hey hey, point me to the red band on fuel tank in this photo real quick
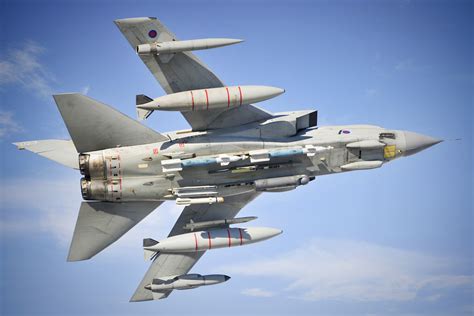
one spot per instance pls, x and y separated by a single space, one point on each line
228 236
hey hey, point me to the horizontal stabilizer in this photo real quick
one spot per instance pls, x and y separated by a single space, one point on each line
96 126
61 151
99 224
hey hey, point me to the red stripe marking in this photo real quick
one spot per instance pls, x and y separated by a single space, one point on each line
192 99
228 235
240 233
207 100
209 238
196 241
228 96
240 91
120 181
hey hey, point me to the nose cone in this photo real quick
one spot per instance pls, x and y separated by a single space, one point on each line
226 277
415 143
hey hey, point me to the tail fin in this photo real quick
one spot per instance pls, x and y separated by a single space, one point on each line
149 254
95 126
141 113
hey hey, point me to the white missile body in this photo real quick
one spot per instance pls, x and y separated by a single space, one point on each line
172 47
199 200
214 98
185 282
209 239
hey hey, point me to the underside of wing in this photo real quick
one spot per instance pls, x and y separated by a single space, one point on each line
99 224
165 265
183 71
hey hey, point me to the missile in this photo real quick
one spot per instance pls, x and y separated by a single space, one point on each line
362 165
263 155
203 200
174 165
185 282
209 239
206 99
222 222
280 184
172 47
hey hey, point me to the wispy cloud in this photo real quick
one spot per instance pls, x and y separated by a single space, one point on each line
328 269
85 90
257 292
8 125
22 65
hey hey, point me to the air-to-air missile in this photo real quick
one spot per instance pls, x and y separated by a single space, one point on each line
171 47
221 222
185 282
209 239
206 99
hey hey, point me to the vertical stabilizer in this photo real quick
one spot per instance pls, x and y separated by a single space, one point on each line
96 126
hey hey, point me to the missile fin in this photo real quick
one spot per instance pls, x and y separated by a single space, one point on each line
149 254
148 242
143 114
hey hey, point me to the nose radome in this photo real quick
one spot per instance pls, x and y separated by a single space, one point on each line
415 143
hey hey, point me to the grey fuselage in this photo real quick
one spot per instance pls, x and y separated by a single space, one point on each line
136 172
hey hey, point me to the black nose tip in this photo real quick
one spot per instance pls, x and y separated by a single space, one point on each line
226 277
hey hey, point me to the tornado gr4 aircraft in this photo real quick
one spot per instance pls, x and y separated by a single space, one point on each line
233 152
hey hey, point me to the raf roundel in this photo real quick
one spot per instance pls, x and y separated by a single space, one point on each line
152 34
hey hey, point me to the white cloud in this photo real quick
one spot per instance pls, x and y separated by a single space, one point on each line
8 125
328 269
85 90
257 292
21 66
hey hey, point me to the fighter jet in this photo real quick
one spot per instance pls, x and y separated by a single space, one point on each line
233 152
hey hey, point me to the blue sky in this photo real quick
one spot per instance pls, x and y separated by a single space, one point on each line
392 241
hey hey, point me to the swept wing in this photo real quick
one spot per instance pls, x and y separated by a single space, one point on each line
180 263
183 72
